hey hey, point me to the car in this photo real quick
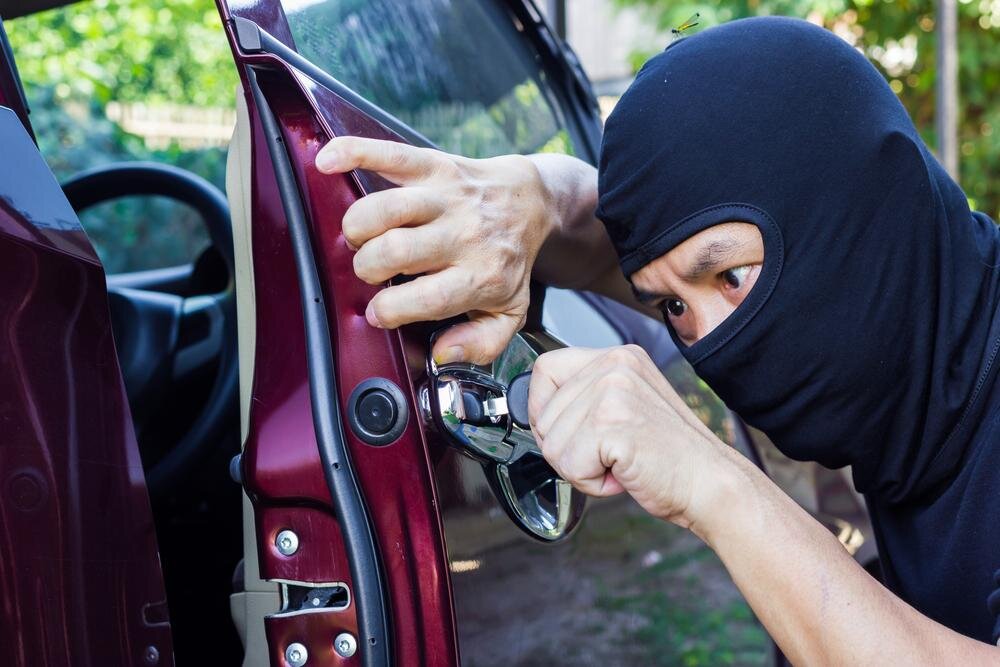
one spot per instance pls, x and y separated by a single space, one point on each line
227 445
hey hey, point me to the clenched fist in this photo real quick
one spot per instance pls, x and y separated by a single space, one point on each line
608 421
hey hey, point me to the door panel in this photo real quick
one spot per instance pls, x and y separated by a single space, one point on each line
80 576
283 469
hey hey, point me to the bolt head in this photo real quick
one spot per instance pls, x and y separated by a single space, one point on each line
296 655
345 645
287 542
151 655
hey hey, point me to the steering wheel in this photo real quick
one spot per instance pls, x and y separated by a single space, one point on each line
164 338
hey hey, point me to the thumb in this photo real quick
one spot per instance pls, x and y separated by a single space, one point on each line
478 341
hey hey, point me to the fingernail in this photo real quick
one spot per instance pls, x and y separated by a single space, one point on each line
327 160
371 317
450 354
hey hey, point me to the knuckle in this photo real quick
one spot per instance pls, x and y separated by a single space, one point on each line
352 224
440 165
362 267
495 285
432 298
490 348
396 155
637 352
616 380
620 356
394 250
383 309
351 147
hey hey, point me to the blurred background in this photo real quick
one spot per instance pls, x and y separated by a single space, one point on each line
97 96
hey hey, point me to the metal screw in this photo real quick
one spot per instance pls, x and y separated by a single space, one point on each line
151 655
287 542
296 655
345 644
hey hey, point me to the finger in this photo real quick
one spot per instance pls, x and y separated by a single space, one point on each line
431 297
374 214
399 162
574 449
403 251
552 370
478 341
583 382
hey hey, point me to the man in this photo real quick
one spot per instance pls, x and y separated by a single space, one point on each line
763 191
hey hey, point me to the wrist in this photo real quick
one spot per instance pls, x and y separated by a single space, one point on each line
723 496
551 186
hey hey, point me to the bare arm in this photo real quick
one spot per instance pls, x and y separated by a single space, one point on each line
608 422
472 231
820 606
577 252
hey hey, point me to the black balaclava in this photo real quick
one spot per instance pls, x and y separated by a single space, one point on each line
871 333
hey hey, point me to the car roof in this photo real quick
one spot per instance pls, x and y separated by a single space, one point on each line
11 9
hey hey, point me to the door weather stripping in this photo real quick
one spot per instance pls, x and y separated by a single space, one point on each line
355 525
254 39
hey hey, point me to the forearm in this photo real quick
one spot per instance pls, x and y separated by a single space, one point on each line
577 248
817 603
577 252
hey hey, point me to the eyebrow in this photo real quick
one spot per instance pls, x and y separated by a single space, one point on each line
710 258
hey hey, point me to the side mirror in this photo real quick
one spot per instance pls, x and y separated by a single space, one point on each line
539 502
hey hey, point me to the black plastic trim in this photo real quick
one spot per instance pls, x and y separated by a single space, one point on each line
402 411
348 504
569 81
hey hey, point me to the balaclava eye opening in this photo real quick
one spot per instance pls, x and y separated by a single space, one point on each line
872 328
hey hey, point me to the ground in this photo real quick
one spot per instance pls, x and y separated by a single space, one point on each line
628 589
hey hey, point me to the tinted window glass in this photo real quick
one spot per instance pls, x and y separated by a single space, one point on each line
458 71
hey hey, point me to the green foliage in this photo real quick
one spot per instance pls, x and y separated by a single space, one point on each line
878 25
128 51
75 59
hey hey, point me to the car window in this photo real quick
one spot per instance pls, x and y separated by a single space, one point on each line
458 71
119 81
567 316
141 233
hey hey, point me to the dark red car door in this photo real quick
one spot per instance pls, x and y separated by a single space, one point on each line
346 521
80 580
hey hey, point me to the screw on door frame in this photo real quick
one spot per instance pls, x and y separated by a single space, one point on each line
296 654
287 542
345 645
151 655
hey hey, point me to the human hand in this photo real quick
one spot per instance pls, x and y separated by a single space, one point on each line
473 228
608 421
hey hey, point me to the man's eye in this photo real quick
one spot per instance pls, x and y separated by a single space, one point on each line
737 276
674 307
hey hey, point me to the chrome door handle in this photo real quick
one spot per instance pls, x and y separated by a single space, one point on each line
460 400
